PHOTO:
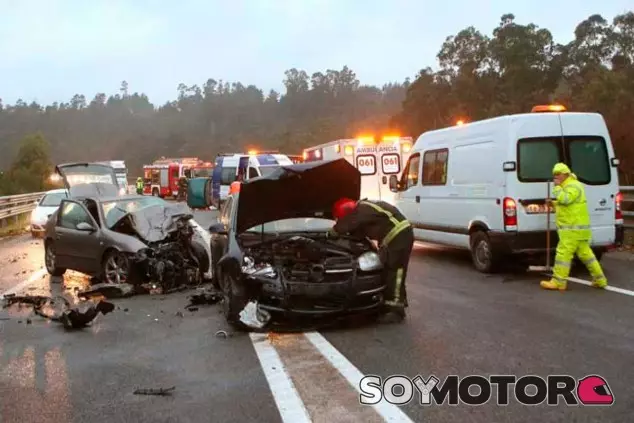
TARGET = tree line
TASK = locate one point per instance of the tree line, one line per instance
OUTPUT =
(478, 76)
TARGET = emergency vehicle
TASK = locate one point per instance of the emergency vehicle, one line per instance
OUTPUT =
(376, 159)
(231, 167)
(482, 186)
(161, 177)
(296, 159)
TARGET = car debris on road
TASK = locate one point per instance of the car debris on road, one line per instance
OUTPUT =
(62, 310)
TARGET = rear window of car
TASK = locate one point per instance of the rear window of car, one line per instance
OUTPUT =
(587, 156)
(227, 175)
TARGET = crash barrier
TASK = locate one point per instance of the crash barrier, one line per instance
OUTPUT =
(12, 206)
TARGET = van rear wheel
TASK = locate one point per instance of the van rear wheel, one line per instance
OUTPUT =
(482, 255)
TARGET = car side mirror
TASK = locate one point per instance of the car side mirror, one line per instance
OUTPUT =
(393, 183)
(218, 229)
(85, 227)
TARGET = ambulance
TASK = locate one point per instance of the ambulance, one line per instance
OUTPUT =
(377, 159)
(231, 167)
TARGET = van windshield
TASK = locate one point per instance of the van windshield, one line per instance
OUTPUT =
(587, 156)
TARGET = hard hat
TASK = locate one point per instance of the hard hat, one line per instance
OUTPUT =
(343, 207)
(561, 168)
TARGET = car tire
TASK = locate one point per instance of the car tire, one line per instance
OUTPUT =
(482, 254)
(49, 260)
(115, 268)
(234, 299)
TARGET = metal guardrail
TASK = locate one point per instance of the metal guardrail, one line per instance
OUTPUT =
(12, 206)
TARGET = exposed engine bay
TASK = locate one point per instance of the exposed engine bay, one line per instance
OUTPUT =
(176, 252)
(309, 257)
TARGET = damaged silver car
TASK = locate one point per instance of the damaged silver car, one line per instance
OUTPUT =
(271, 248)
(123, 238)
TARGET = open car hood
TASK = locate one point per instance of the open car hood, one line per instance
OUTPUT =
(88, 179)
(299, 190)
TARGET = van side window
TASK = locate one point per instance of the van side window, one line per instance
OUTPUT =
(589, 160)
(435, 167)
(253, 173)
(410, 173)
(536, 158)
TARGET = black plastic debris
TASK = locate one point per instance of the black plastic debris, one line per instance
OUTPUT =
(159, 391)
(207, 297)
(77, 319)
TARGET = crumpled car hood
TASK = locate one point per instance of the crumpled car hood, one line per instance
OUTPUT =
(155, 223)
(300, 190)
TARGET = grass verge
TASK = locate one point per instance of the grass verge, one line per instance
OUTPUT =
(12, 227)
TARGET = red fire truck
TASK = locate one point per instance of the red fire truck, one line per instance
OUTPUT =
(161, 177)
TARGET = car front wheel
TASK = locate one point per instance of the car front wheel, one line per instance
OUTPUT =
(50, 260)
(116, 268)
(234, 299)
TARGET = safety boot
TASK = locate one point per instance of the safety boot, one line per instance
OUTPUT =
(393, 315)
(553, 285)
(600, 283)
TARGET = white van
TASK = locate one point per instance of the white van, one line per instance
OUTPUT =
(482, 186)
(229, 168)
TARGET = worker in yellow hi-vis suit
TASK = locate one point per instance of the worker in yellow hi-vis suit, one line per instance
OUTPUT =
(573, 228)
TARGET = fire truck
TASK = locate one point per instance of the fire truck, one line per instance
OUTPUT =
(375, 158)
(161, 177)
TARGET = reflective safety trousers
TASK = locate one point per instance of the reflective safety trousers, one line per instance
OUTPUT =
(573, 243)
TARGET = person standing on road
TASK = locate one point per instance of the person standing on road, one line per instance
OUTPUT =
(573, 229)
(383, 223)
(139, 185)
(182, 189)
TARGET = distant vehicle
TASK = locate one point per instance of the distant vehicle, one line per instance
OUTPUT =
(231, 167)
(162, 176)
(45, 207)
(377, 159)
(103, 234)
(121, 172)
(271, 246)
(482, 186)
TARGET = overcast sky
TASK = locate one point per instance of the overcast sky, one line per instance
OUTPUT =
(51, 49)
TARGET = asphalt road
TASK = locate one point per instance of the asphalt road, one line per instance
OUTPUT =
(460, 322)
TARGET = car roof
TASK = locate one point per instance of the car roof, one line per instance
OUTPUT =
(56, 191)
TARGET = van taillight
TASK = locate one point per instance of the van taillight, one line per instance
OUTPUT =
(618, 213)
(509, 208)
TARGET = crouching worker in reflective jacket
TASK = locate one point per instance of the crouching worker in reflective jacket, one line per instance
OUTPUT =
(383, 223)
(573, 229)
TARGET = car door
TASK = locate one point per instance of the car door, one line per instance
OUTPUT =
(75, 248)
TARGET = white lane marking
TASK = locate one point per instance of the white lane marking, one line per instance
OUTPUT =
(389, 412)
(34, 278)
(289, 403)
(588, 283)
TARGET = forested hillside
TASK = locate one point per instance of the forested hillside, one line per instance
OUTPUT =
(478, 76)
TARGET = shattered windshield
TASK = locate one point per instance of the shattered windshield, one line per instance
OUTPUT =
(115, 210)
(297, 224)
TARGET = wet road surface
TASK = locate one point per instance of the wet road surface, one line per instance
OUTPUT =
(460, 322)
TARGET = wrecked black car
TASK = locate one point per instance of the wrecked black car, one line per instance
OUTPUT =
(123, 238)
(270, 247)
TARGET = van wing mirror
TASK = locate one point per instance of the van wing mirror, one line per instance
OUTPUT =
(393, 183)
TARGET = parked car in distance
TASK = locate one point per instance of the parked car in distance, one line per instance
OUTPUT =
(45, 207)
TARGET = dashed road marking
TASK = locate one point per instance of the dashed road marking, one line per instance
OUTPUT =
(308, 377)
(39, 274)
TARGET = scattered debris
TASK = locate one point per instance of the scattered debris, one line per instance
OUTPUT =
(192, 309)
(109, 290)
(222, 332)
(160, 391)
(207, 297)
(253, 317)
(60, 309)
(29, 321)
(179, 314)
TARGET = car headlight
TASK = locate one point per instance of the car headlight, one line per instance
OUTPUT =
(369, 261)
